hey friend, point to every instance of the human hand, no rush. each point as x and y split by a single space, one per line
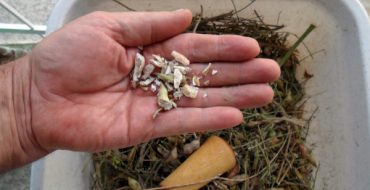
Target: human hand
80 94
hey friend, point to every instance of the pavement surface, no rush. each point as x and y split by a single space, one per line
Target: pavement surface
37 11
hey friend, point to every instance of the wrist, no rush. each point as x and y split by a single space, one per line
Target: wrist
18 145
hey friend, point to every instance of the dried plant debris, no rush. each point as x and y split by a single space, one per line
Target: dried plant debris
171 80
270 144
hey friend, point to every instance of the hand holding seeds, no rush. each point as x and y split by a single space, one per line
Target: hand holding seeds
91 89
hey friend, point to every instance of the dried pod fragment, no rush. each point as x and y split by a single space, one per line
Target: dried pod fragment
184 70
177 94
145 88
169 87
214 72
163 100
195 81
206 83
138 69
177 78
166 78
153 87
205 70
168 70
155 114
157 82
190 91
146 82
148 70
158 61
180 58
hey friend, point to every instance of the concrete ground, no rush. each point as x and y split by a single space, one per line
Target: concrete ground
37 11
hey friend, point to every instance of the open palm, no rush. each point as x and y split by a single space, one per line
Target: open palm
81 98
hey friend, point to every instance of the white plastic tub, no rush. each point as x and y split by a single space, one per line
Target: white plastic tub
340 87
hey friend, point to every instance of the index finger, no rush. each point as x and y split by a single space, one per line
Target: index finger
143 28
206 48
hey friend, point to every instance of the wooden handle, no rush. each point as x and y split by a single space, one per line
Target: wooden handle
213 158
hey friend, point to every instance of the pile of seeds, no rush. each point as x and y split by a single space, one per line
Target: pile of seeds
170 79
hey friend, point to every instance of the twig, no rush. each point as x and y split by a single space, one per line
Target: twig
200 16
295 45
123 5
242 9
236 11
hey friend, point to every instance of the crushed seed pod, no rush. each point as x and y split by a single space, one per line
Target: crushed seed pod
180 58
148 70
163 100
153 87
190 91
169 87
195 81
166 78
169 68
145 88
155 114
146 82
205 70
170 84
178 78
139 66
157 82
158 61
214 72
184 70
177 94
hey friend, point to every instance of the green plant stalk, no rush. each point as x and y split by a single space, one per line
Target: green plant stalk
291 50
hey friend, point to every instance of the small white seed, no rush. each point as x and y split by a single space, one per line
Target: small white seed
180 58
